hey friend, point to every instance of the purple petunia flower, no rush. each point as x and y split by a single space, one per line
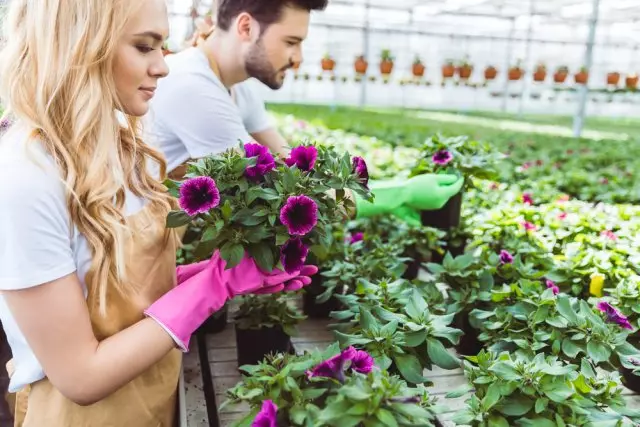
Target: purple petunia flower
613 315
264 163
527 199
334 367
299 215
529 226
293 254
554 288
442 157
362 362
360 169
267 417
303 157
5 124
505 257
198 195
357 237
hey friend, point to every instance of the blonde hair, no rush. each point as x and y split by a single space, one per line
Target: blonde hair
56 77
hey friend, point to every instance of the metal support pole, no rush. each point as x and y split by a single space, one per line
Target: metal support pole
527 60
365 52
507 65
583 91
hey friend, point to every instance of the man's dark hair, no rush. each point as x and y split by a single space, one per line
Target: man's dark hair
266 12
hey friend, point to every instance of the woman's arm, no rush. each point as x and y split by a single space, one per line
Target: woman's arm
55 321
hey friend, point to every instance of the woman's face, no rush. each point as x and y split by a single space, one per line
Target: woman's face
138 62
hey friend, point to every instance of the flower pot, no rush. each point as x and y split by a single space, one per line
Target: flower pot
254 344
464 72
361 66
216 323
631 82
515 74
490 73
469 344
448 71
386 67
581 78
613 79
418 70
314 309
446 217
413 266
560 76
630 380
539 76
328 64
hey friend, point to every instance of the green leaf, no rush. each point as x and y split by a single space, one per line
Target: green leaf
416 307
558 322
209 234
498 421
492 397
386 417
177 219
598 352
347 340
409 367
586 369
226 210
505 371
581 384
414 339
262 255
459 392
367 321
232 253
541 403
354 393
464 417
563 305
560 392
440 356
313 393
281 239
297 414
570 348
516 406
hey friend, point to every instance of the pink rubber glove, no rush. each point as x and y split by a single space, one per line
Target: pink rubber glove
203 288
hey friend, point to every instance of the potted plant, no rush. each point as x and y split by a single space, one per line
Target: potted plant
460 156
272 213
561 74
386 62
418 68
516 72
511 389
540 74
448 69
631 81
393 323
264 325
490 73
582 76
328 63
613 78
465 69
361 65
328 388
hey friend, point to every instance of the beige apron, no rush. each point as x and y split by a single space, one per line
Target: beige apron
150 399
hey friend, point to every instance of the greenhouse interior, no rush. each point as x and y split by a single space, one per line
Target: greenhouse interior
511 300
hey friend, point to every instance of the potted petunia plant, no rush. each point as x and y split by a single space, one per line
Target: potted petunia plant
249 204
459 156
330 388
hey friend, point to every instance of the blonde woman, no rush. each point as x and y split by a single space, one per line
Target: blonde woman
87 270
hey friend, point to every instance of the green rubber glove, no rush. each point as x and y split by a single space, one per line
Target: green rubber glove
405 199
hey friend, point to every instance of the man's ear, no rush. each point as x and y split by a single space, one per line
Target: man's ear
245 26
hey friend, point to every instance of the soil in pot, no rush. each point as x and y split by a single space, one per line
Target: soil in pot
314 309
254 344
630 380
216 323
469 344
446 217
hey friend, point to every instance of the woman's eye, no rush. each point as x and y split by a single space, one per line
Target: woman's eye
144 49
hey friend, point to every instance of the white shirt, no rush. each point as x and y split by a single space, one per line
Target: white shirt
192 114
38 243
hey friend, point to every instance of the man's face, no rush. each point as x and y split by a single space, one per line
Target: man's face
278 48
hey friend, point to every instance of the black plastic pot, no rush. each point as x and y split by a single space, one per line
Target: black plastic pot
254 344
413 268
630 380
216 323
446 217
314 309
469 344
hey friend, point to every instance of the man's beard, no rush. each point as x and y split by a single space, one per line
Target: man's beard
258 66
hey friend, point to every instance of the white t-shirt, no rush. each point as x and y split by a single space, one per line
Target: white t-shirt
38 243
192 114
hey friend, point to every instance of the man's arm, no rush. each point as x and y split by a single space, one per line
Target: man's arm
272 139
